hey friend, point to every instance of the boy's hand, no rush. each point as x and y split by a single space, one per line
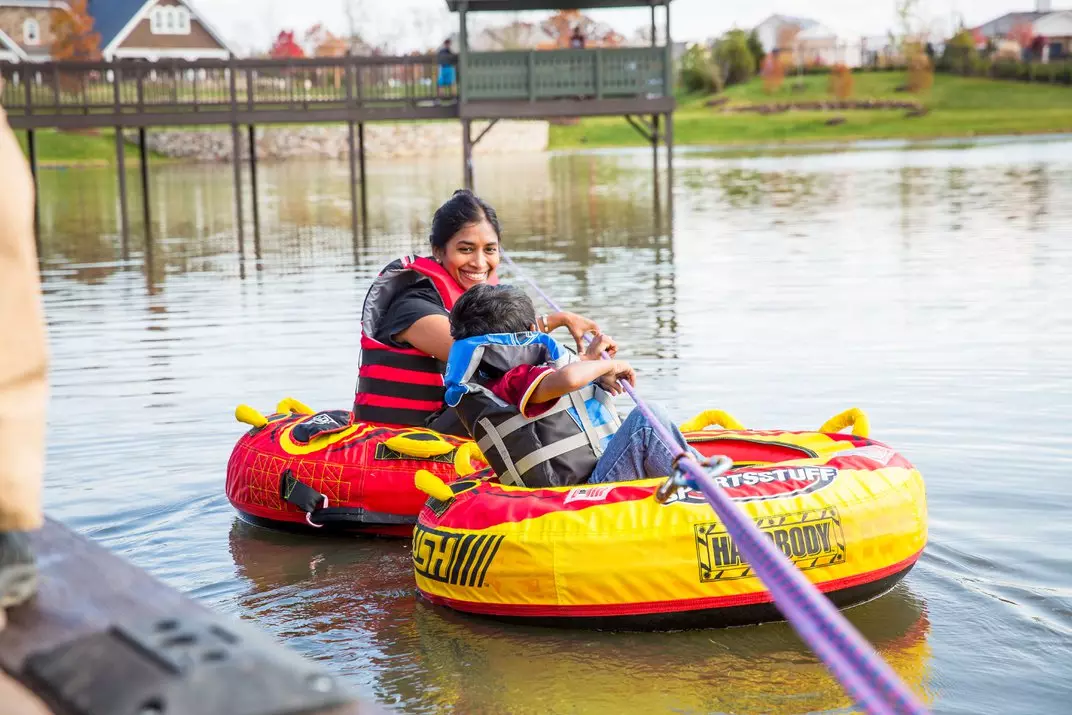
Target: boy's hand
598 345
619 370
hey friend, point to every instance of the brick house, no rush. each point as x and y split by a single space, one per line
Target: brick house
155 29
26 29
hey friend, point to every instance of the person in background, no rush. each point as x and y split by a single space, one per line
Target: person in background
447 74
23 383
576 40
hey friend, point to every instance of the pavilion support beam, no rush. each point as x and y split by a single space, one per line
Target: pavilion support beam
146 203
467 152
352 155
236 161
253 186
487 129
121 172
643 128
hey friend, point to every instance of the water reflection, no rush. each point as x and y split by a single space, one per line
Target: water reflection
326 592
928 287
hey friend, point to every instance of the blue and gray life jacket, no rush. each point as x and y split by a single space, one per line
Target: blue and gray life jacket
557 448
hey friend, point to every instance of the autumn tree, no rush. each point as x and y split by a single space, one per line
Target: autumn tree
285 47
74 35
773 71
841 81
1022 34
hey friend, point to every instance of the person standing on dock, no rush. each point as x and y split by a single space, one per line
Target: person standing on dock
447 74
23 383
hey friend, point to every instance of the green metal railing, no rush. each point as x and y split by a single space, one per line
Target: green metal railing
534 75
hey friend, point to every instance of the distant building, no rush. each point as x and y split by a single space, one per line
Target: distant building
817 45
26 29
154 30
777 32
1044 34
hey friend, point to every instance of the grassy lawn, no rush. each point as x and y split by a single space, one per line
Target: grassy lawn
959 106
96 148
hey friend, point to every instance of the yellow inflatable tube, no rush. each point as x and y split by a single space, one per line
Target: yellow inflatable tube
850 512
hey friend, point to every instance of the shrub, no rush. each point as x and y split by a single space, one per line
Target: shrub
841 81
734 59
697 72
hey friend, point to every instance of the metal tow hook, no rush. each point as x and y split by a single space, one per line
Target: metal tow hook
716 466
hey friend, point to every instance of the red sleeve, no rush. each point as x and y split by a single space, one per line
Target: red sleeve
517 386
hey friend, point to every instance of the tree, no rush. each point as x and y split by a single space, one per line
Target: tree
75 38
733 58
773 71
756 47
1022 34
960 53
841 81
697 72
285 47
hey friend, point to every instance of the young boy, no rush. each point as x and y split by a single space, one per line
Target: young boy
542 416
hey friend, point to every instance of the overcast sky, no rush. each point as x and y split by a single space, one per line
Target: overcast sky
419 24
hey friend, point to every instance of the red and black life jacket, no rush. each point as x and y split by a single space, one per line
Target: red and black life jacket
400 386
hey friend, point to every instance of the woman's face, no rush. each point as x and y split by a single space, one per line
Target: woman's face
471 255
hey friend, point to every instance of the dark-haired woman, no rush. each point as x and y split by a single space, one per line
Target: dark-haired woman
405 329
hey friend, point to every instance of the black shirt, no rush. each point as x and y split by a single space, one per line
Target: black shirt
410 305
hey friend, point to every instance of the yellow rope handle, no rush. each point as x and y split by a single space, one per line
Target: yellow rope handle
463 459
250 416
853 417
710 418
289 404
432 485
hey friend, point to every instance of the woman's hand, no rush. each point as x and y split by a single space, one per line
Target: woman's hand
620 370
600 343
577 325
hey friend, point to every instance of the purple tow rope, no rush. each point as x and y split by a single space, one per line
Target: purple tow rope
863 673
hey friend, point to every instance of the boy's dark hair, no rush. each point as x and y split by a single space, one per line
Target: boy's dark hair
486 309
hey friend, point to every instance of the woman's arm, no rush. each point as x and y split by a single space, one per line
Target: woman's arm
577 325
576 375
430 334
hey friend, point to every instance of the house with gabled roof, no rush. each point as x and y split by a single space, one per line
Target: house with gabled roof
26 29
154 30
777 31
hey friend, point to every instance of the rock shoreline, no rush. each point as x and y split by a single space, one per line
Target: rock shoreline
382 141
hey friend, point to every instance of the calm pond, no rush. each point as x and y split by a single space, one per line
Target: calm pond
930 287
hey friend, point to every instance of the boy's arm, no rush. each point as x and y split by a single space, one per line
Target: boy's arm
576 375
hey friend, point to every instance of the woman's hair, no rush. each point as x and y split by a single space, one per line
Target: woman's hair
460 210
485 309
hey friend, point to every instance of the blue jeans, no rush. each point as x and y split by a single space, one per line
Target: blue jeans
636 452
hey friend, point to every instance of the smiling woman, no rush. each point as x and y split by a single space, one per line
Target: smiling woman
405 330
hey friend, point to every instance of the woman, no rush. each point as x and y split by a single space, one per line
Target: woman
405 329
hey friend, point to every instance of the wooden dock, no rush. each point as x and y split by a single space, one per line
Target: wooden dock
104 637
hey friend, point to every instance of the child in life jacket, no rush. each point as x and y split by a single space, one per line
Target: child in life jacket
541 415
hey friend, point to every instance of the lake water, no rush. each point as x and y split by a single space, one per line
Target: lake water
930 287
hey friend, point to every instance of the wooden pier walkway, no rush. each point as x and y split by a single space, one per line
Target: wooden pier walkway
103 636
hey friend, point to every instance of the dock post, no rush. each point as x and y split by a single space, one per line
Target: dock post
253 186
147 213
236 156
655 153
353 176
668 138
467 151
31 147
121 172
364 174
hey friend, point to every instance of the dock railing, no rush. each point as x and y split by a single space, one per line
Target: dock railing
138 93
